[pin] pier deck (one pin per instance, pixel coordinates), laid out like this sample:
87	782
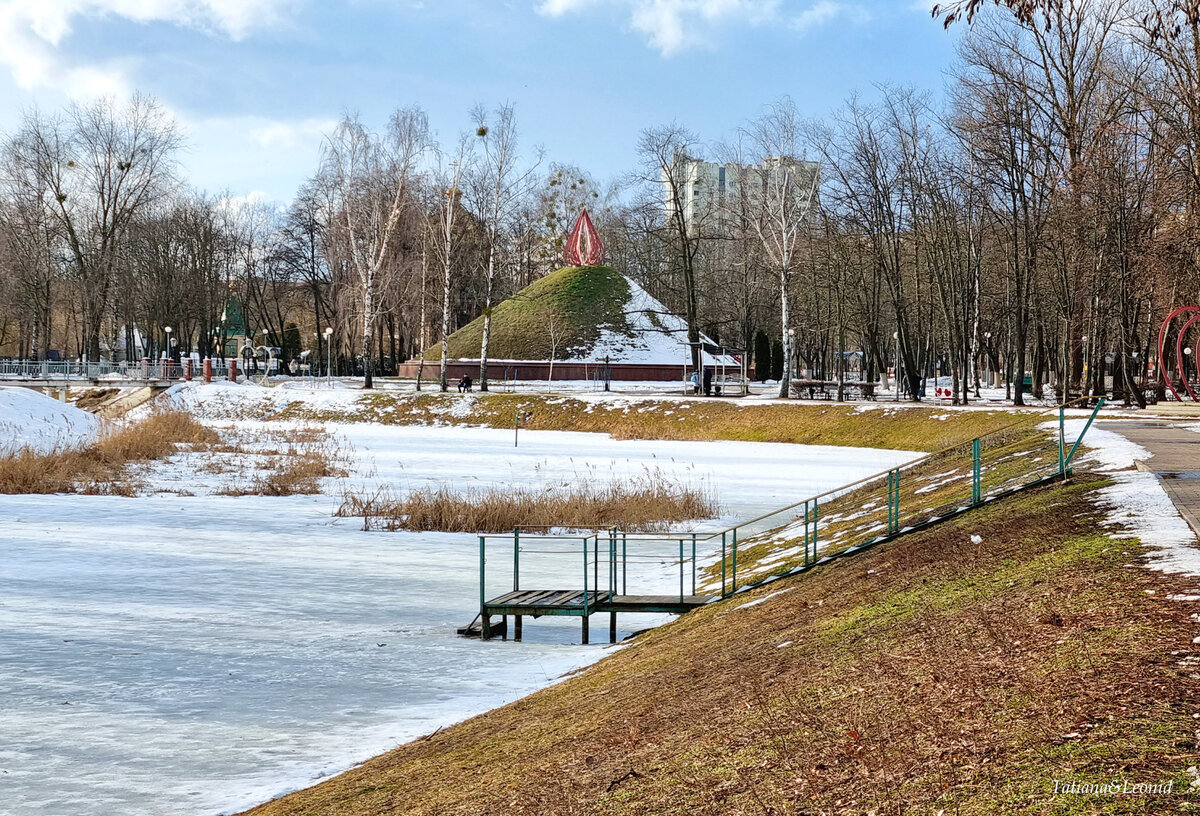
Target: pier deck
575	602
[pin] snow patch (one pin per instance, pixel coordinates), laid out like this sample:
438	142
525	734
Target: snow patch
1138	506
34	421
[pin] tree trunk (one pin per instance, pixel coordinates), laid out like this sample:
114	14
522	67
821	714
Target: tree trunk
487	317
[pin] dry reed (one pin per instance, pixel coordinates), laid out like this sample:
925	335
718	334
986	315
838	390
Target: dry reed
646	501
101	466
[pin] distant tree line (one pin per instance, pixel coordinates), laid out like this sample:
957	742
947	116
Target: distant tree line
1038	223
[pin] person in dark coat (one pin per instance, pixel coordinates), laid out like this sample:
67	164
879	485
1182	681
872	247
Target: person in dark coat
708	375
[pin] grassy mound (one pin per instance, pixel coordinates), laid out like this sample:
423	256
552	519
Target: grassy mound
569	306
930	675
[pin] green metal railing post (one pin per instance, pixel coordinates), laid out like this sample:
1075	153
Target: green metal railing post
585	584
482	571
806	535
976	487
516	558
889	503
816	519
734	589
893	501
612	563
693	563
681	570
723	556
1062	440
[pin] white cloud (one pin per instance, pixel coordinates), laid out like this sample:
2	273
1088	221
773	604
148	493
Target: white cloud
675	25
290	135
266	155
33	31
817	14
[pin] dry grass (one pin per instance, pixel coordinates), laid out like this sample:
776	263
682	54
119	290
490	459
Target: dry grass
640	502
876	425
296	467
102	466
930	675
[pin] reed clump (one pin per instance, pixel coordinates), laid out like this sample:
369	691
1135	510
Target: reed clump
101	467
645	501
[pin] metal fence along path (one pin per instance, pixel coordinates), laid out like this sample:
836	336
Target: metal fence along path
713	565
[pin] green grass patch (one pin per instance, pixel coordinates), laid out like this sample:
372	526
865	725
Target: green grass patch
564	311
931	674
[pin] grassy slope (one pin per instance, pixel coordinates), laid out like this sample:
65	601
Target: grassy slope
918	429
924	675
581	298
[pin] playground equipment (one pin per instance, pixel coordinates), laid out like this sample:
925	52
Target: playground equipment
1185	357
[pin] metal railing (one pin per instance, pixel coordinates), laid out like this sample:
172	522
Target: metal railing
606	557
90	370
837	522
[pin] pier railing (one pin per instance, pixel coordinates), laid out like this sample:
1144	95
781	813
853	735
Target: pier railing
834	523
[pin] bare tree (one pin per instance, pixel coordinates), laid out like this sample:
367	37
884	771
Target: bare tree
371	177
667	163
449	182
782	189
100	165
497	189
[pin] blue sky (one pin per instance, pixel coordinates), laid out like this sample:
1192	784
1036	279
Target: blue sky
255	83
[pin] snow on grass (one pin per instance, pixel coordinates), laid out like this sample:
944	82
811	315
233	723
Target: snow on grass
1138	506
763	599
29	419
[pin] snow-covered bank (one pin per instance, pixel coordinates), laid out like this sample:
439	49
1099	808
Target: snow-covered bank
29	419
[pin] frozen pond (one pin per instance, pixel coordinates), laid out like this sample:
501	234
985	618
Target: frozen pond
173	654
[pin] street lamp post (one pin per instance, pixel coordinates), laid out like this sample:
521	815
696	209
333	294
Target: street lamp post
167	357
787	363
896	370
987	358
1085	385
328	357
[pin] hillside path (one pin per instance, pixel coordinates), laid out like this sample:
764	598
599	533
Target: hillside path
1175	460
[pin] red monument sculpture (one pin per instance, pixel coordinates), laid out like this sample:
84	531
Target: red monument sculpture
583	247
1179	372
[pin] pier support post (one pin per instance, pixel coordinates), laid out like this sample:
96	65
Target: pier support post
612	627
585	630
485	627
517	628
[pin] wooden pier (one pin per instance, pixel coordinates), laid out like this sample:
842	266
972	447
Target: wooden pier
581	602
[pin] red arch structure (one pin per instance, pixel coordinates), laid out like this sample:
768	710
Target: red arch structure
1164	364
583	247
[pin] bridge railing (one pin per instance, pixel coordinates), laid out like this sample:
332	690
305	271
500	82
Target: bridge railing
90	370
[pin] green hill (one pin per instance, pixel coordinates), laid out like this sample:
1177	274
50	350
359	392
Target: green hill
564	310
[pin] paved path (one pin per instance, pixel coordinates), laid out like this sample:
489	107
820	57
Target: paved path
1175	460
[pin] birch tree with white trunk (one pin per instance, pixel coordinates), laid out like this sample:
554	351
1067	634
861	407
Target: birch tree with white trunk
450	183
782	190
497	190
371	178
